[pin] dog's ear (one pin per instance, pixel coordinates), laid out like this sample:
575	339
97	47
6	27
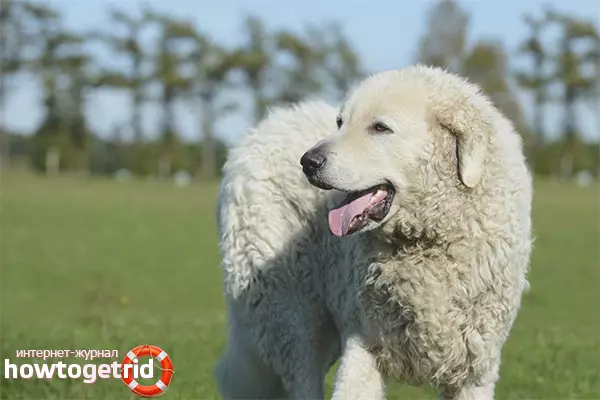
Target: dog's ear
470	125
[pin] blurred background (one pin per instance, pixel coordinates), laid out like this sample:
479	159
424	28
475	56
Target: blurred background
116	117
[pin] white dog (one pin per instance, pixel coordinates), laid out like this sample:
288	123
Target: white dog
408	259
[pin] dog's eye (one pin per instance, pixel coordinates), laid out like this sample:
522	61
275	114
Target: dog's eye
379	127
339	122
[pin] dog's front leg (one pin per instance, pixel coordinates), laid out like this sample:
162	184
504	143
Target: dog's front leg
358	376
483	390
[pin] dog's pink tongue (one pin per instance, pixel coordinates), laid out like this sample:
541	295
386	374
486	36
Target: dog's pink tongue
340	218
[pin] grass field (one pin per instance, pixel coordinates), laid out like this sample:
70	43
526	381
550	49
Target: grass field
95	264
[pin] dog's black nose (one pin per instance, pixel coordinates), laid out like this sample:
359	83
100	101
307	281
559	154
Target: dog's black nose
312	161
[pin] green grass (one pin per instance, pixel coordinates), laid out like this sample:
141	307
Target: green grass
96	264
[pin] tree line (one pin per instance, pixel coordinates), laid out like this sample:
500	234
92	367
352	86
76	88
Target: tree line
181	64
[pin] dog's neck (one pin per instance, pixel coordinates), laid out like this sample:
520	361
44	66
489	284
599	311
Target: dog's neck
426	224
382	247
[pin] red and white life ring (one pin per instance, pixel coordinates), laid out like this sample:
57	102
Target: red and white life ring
165	379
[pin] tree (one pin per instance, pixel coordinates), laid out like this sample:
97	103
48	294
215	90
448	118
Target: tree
591	60
300	78
487	65
538	80
443	44
595	97
167	72
73	104
57	53
15	38
10	49
211	65
318	60
575	63
253	59
129	46
341	63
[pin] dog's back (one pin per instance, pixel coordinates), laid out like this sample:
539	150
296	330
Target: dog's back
265	211
264	198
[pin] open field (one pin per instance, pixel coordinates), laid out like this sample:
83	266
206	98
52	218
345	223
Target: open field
96	264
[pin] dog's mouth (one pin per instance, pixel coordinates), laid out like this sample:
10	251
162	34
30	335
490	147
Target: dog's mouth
358	208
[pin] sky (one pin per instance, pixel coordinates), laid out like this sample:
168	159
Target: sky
385	34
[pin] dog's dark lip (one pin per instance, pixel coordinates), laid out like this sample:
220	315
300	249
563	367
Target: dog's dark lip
381	210
319	183
351	195
387	205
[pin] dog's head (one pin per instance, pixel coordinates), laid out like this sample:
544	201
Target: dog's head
388	130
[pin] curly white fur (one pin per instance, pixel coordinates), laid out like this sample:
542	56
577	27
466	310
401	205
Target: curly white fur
428	296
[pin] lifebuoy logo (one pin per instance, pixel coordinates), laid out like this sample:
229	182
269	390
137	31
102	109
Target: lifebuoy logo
129	371
131	364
